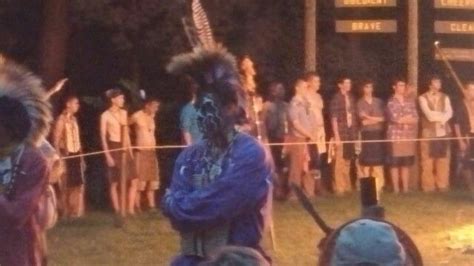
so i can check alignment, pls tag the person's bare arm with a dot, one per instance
(461, 140)
(103, 138)
(57, 133)
(188, 140)
(335, 130)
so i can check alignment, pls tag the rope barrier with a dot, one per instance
(170, 147)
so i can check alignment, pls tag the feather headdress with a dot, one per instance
(18, 83)
(210, 64)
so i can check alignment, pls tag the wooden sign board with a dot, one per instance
(454, 4)
(366, 3)
(366, 26)
(456, 54)
(454, 27)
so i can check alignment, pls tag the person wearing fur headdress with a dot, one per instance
(221, 184)
(24, 122)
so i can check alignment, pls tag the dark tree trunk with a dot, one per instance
(54, 40)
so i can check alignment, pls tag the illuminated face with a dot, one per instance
(400, 88)
(436, 84)
(152, 107)
(301, 87)
(345, 85)
(119, 101)
(314, 83)
(470, 91)
(279, 91)
(73, 105)
(368, 89)
(215, 120)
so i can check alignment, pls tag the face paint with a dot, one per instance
(209, 118)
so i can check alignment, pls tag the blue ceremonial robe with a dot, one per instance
(236, 196)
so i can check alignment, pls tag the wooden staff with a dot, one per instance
(449, 66)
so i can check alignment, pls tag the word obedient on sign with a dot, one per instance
(454, 4)
(454, 27)
(366, 3)
(366, 26)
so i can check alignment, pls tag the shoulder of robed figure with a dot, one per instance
(251, 148)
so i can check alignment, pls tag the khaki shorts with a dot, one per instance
(149, 185)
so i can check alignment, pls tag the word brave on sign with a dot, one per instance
(366, 26)
(454, 4)
(366, 3)
(454, 27)
(456, 54)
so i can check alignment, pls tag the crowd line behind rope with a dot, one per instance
(168, 147)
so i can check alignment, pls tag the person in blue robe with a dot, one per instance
(221, 185)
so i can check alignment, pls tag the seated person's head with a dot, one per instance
(14, 122)
(368, 243)
(236, 256)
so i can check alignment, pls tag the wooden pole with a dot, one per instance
(413, 44)
(310, 35)
(54, 41)
(413, 71)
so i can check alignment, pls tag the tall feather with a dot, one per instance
(203, 28)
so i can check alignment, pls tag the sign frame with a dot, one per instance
(364, 3)
(456, 54)
(367, 26)
(439, 4)
(446, 27)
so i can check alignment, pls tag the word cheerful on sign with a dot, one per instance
(454, 4)
(366, 26)
(454, 27)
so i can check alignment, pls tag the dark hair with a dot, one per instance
(431, 78)
(396, 80)
(15, 118)
(342, 78)
(67, 99)
(113, 93)
(310, 74)
(364, 83)
(151, 99)
(271, 89)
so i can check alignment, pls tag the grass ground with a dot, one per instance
(442, 226)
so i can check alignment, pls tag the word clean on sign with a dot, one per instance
(366, 3)
(454, 27)
(454, 4)
(366, 26)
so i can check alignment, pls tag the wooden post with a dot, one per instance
(413, 43)
(413, 71)
(310, 35)
(54, 40)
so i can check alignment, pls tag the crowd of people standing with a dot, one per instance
(364, 133)
(367, 134)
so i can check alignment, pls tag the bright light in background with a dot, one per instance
(462, 237)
